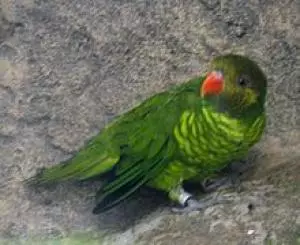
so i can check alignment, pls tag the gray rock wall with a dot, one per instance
(68, 67)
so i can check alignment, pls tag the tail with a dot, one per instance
(93, 160)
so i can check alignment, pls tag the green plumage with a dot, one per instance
(173, 136)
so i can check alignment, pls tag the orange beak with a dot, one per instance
(213, 84)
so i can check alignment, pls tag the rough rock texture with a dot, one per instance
(67, 67)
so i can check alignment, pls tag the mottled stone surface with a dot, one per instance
(67, 67)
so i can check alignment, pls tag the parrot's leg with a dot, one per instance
(217, 183)
(189, 203)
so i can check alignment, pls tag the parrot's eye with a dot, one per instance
(244, 81)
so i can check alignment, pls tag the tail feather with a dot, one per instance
(81, 167)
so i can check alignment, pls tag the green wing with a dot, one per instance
(147, 145)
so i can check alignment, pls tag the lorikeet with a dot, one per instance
(193, 129)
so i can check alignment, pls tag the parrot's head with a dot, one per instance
(234, 84)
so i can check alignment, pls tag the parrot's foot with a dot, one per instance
(189, 203)
(234, 171)
(231, 181)
(193, 204)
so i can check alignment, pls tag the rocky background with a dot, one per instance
(68, 67)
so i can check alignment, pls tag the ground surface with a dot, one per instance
(67, 67)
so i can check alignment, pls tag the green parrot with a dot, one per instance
(191, 131)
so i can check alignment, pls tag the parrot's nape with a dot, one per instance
(190, 131)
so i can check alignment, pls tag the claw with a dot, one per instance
(231, 181)
(191, 205)
(221, 184)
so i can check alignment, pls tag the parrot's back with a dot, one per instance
(134, 137)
